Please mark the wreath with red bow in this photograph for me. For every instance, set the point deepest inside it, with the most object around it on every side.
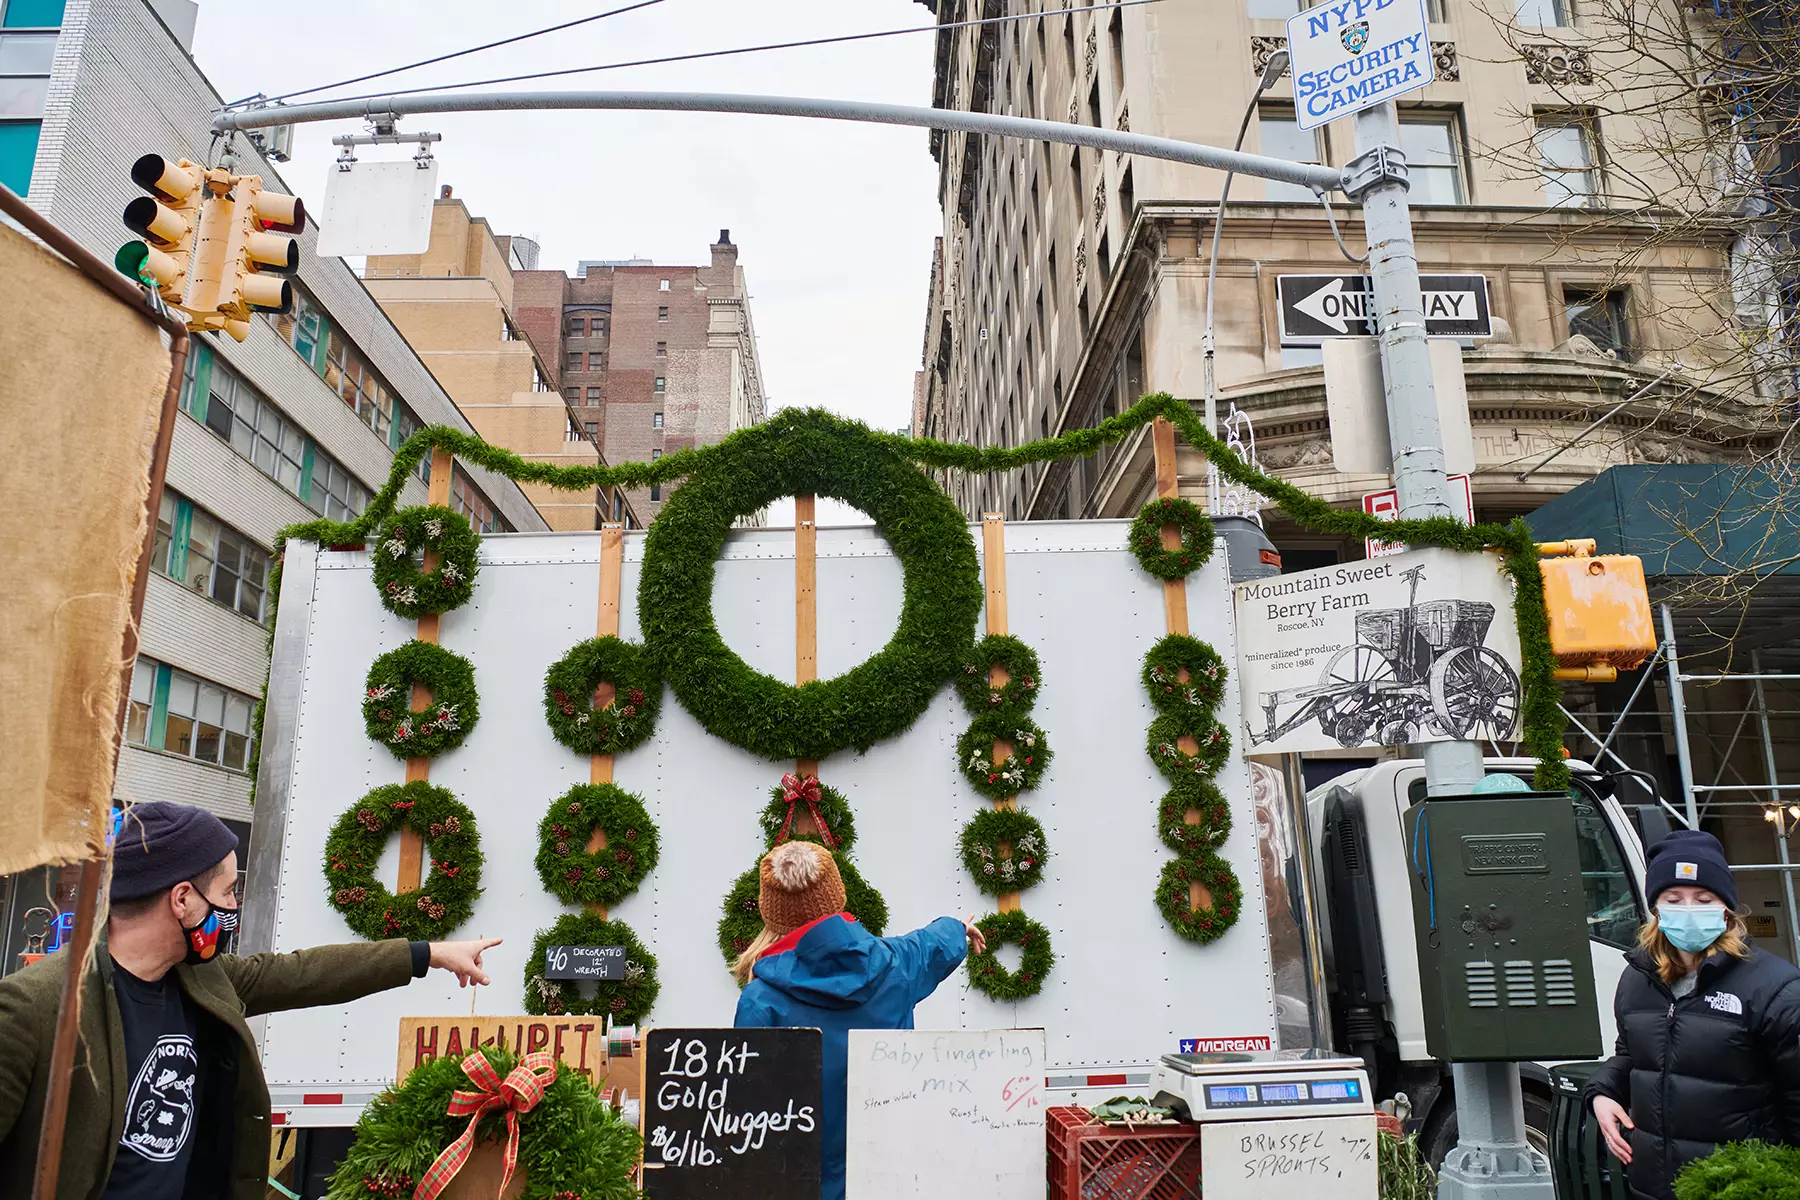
(446, 898)
(626, 722)
(576, 875)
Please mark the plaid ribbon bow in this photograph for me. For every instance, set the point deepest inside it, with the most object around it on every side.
(518, 1093)
(794, 789)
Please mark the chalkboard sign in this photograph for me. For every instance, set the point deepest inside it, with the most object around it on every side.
(604, 963)
(732, 1113)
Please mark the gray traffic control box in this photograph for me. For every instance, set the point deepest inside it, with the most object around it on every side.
(1501, 923)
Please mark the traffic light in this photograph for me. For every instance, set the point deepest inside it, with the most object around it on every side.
(166, 219)
(235, 247)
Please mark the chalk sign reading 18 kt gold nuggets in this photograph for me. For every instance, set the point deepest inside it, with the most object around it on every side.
(579, 1043)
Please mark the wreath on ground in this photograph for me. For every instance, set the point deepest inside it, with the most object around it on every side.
(405, 587)
(576, 875)
(446, 898)
(1206, 674)
(798, 453)
(569, 691)
(1013, 699)
(626, 1001)
(1196, 538)
(742, 920)
(572, 1145)
(987, 975)
(780, 814)
(1173, 898)
(1178, 764)
(1196, 795)
(387, 700)
(997, 873)
(1019, 772)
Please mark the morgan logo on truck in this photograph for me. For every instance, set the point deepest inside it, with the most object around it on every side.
(1223, 1045)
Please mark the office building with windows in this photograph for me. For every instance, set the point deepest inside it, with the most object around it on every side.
(298, 421)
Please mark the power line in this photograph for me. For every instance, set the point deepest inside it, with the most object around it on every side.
(676, 58)
(426, 62)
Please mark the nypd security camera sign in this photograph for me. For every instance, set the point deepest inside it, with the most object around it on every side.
(1352, 54)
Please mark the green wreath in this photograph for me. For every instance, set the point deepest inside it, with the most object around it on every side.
(405, 587)
(1145, 538)
(572, 1144)
(741, 919)
(1216, 876)
(987, 975)
(1023, 678)
(1176, 763)
(832, 807)
(997, 874)
(1200, 795)
(1166, 660)
(446, 898)
(575, 875)
(569, 690)
(626, 1001)
(387, 700)
(1019, 773)
(795, 453)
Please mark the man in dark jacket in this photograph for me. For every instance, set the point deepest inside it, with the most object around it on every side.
(1709, 1027)
(168, 1100)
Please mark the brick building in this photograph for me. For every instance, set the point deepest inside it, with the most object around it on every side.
(650, 358)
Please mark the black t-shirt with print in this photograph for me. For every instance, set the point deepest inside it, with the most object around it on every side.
(163, 1096)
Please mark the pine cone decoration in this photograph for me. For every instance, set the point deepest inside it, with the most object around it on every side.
(562, 849)
(368, 820)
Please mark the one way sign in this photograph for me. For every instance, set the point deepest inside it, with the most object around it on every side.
(1316, 307)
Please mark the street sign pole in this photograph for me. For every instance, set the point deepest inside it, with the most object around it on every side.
(1492, 1159)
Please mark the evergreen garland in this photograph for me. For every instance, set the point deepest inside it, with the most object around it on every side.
(405, 587)
(987, 975)
(569, 697)
(574, 874)
(1206, 671)
(1012, 699)
(572, 1146)
(387, 701)
(998, 873)
(446, 898)
(1145, 538)
(1193, 795)
(1177, 764)
(1020, 772)
(626, 1001)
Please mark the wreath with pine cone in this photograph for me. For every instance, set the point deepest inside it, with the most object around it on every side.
(442, 725)
(1199, 796)
(1177, 764)
(446, 897)
(576, 875)
(405, 587)
(1004, 850)
(626, 1001)
(1173, 896)
(1184, 674)
(1018, 772)
(624, 723)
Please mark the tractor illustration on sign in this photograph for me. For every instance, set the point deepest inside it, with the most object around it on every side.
(1412, 671)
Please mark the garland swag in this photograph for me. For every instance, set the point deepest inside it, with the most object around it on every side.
(986, 974)
(576, 875)
(626, 1001)
(569, 697)
(387, 700)
(446, 898)
(405, 587)
(572, 1145)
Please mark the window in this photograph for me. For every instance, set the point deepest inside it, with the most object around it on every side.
(1105, 259)
(655, 454)
(1600, 316)
(469, 500)
(618, 507)
(574, 360)
(662, 313)
(1567, 144)
(1434, 11)
(573, 395)
(596, 361)
(661, 386)
(1093, 105)
(508, 331)
(345, 369)
(656, 420)
(1613, 915)
(1282, 137)
(182, 714)
(195, 549)
(237, 412)
(335, 492)
(593, 395)
(1433, 157)
(662, 285)
(576, 326)
(593, 431)
(598, 327)
(1543, 12)
(1115, 37)
(571, 431)
(1273, 10)
(25, 60)
(662, 349)
(364, 391)
(302, 327)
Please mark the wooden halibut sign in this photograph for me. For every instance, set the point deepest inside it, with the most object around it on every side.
(579, 1043)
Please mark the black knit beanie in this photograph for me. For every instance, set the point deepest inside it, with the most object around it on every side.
(1689, 858)
(161, 844)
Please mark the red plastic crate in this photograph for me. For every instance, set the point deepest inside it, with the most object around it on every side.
(1106, 1162)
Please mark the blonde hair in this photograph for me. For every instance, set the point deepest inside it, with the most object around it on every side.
(746, 961)
(1652, 941)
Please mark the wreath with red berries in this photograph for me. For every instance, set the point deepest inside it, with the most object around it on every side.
(627, 1001)
(1174, 899)
(989, 976)
(387, 700)
(624, 723)
(1168, 659)
(352, 848)
(1196, 546)
(1019, 772)
(576, 875)
(1198, 796)
(1004, 850)
(778, 818)
(405, 587)
(1013, 699)
(1176, 763)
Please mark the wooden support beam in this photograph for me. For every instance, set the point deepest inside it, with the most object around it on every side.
(412, 846)
(993, 559)
(606, 624)
(806, 606)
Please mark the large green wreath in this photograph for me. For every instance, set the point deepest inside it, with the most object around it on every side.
(569, 697)
(626, 1001)
(405, 587)
(1198, 795)
(1165, 661)
(792, 454)
(1020, 772)
(446, 898)
(571, 1145)
(576, 875)
(387, 700)
(833, 808)
(1013, 699)
(987, 975)
(1216, 876)
(741, 919)
(997, 874)
(1197, 535)
(1178, 764)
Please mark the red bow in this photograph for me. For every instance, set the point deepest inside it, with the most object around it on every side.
(518, 1093)
(794, 789)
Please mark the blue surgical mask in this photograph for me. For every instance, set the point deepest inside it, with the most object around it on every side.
(1691, 927)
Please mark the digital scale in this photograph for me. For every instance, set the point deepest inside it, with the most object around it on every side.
(1237, 1087)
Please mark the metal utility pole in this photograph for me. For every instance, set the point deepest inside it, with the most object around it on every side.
(1492, 1159)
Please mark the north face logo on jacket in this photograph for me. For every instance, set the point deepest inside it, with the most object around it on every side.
(1726, 1002)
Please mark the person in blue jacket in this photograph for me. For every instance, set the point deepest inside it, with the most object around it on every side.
(814, 967)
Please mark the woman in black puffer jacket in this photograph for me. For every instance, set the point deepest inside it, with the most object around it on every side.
(1709, 1027)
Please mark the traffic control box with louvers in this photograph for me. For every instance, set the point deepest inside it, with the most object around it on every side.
(1504, 966)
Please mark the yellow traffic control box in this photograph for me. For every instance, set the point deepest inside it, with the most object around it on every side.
(1599, 610)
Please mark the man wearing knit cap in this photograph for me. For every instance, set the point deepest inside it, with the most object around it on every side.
(168, 1100)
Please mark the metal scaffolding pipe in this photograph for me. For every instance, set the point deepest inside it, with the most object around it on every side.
(1781, 846)
(1684, 755)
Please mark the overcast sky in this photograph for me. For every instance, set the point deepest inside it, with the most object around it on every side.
(834, 221)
